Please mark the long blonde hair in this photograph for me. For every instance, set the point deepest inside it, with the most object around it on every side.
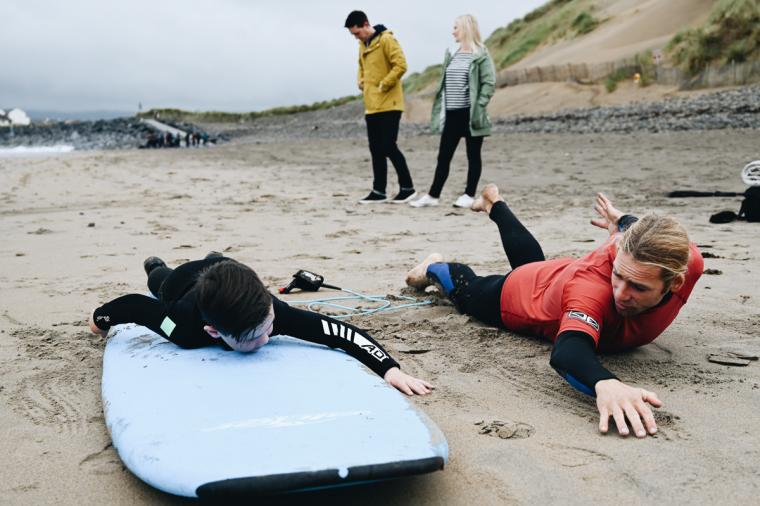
(659, 241)
(470, 31)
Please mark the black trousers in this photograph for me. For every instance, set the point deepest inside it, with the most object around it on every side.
(456, 126)
(480, 296)
(382, 132)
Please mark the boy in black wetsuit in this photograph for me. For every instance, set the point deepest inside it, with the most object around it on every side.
(220, 301)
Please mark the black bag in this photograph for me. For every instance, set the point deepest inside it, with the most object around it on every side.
(750, 209)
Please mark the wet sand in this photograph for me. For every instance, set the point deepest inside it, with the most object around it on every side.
(77, 227)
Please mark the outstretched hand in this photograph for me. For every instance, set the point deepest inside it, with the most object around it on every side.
(615, 398)
(609, 215)
(407, 384)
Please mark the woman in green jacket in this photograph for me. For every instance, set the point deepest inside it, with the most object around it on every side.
(467, 84)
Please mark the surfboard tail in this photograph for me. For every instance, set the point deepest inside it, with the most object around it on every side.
(238, 488)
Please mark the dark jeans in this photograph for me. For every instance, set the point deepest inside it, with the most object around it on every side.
(480, 296)
(456, 126)
(382, 131)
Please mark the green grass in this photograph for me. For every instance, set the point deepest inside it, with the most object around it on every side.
(612, 80)
(418, 81)
(731, 34)
(584, 23)
(644, 66)
(552, 21)
(241, 117)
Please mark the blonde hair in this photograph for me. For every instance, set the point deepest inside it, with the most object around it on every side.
(470, 31)
(659, 241)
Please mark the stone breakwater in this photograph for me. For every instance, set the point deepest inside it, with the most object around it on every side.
(737, 108)
(119, 133)
(727, 109)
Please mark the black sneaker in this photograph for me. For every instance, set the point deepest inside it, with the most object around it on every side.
(151, 263)
(404, 196)
(213, 254)
(373, 198)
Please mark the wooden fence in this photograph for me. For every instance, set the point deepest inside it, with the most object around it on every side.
(712, 76)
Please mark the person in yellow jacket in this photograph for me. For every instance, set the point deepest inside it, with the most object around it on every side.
(381, 65)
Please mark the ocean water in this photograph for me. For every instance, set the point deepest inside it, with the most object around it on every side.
(24, 151)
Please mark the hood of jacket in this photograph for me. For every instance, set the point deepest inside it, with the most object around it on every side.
(378, 30)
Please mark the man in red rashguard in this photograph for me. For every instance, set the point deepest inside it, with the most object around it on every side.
(622, 295)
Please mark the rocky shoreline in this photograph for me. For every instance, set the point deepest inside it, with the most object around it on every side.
(726, 109)
(120, 133)
(736, 108)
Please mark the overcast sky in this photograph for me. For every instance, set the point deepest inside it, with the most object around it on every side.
(234, 55)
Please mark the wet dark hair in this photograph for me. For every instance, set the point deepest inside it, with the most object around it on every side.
(357, 19)
(232, 298)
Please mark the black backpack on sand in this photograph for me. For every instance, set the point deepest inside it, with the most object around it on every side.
(750, 209)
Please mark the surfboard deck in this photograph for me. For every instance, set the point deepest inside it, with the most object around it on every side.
(293, 416)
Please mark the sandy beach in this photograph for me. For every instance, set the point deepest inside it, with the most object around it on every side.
(77, 227)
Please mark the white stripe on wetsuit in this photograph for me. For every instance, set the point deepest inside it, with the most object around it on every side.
(457, 81)
(339, 330)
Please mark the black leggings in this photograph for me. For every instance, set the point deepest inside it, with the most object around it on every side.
(456, 126)
(480, 296)
(382, 132)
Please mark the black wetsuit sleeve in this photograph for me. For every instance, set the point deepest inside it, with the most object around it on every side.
(150, 313)
(626, 221)
(574, 358)
(321, 329)
(133, 308)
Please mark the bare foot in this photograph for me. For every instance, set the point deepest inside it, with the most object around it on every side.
(417, 277)
(478, 205)
(488, 197)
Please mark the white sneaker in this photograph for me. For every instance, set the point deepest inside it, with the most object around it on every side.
(464, 201)
(424, 201)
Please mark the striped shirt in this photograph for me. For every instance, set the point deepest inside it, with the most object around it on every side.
(457, 81)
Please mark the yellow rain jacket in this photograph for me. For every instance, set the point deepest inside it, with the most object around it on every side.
(381, 65)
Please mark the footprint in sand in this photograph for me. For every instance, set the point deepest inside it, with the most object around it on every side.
(51, 396)
(669, 427)
(106, 461)
(342, 233)
(506, 429)
(26, 488)
(573, 456)
(50, 399)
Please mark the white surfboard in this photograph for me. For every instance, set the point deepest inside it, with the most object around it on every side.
(292, 416)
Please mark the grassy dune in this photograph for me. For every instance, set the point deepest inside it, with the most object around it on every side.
(241, 117)
(731, 34)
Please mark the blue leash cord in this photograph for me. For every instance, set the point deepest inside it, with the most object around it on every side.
(385, 304)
